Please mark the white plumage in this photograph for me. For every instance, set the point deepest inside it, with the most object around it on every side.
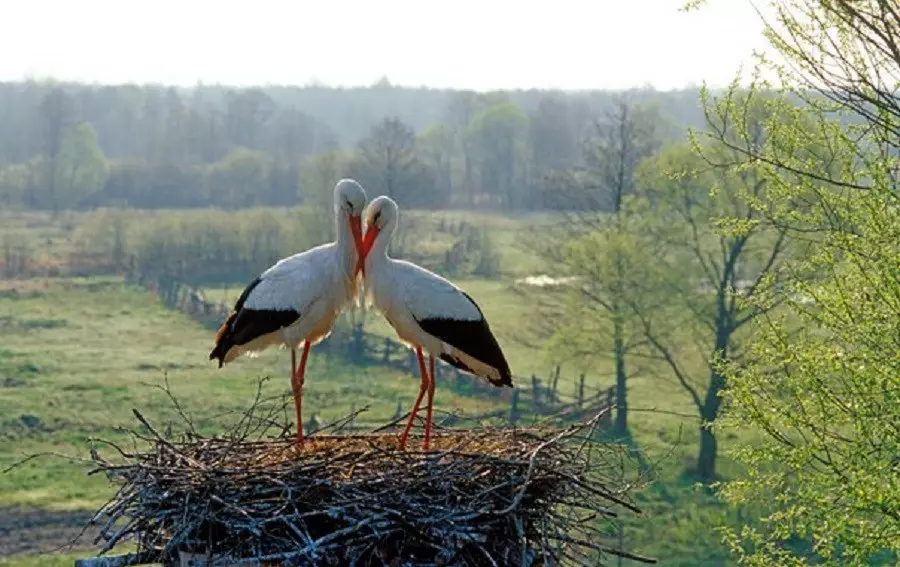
(427, 311)
(299, 298)
(405, 294)
(296, 281)
(315, 284)
(425, 294)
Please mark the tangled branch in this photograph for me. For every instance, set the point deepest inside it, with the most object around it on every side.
(486, 496)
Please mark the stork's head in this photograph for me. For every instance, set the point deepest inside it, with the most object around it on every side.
(350, 200)
(381, 216)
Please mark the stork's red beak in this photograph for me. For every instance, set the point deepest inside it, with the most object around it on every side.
(368, 241)
(356, 231)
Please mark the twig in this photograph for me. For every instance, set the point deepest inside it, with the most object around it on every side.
(481, 496)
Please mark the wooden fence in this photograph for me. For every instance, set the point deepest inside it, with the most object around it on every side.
(532, 396)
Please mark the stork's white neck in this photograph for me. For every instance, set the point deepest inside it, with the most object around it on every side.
(378, 255)
(345, 246)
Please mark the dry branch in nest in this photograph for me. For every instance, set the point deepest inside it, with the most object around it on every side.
(486, 496)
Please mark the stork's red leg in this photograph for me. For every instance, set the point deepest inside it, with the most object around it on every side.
(294, 374)
(431, 385)
(297, 385)
(415, 410)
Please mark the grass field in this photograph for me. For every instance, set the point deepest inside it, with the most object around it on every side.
(76, 355)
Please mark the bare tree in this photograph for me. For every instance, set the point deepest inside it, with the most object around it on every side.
(852, 74)
(318, 174)
(388, 154)
(497, 134)
(554, 135)
(594, 242)
(457, 116)
(436, 146)
(56, 116)
(247, 111)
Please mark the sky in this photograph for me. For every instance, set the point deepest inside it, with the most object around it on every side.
(491, 44)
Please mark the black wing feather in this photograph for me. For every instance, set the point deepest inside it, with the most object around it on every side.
(473, 337)
(244, 325)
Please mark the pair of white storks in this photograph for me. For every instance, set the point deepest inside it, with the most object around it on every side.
(299, 298)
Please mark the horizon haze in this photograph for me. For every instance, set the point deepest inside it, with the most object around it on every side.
(576, 45)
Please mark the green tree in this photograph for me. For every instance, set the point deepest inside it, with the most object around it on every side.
(458, 113)
(318, 175)
(55, 115)
(710, 266)
(436, 146)
(237, 180)
(616, 270)
(607, 251)
(14, 181)
(81, 166)
(822, 386)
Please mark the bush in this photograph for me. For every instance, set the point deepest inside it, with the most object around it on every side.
(201, 245)
(473, 253)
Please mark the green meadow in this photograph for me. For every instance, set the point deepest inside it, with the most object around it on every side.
(79, 353)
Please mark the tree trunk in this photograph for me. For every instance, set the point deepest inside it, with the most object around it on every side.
(52, 188)
(619, 349)
(469, 180)
(706, 459)
(621, 424)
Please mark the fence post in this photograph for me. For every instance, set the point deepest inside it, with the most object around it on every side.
(535, 390)
(610, 404)
(387, 351)
(313, 424)
(555, 375)
(581, 391)
(174, 292)
(514, 407)
(166, 287)
(162, 289)
(358, 354)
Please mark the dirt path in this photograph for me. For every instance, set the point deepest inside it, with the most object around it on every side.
(29, 531)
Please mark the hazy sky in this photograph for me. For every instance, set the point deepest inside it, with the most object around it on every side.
(467, 44)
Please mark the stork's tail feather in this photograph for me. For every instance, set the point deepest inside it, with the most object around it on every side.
(226, 327)
(223, 341)
(219, 352)
(499, 377)
(505, 380)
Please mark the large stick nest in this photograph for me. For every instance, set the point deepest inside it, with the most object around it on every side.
(487, 496)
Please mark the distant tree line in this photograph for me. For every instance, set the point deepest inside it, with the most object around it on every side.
(73, 146)
(207, 246)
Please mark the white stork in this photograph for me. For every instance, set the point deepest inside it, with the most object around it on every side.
(299, 298)
(427, 312)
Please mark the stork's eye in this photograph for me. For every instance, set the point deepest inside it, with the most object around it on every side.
(376, 217)
(349, 204)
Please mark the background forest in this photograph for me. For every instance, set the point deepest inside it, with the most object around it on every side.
(70, 146)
